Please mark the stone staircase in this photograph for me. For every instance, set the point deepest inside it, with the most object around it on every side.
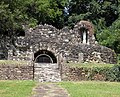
(46, 72)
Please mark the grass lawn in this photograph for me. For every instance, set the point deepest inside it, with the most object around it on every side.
(16, 88)
(76, 89)
(13, 62)
(92, 89)
(89, 65)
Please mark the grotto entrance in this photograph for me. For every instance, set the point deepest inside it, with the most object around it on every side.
(46, 68)
(44, 56)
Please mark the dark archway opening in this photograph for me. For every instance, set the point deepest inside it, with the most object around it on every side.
(44, 56)
(2, 56)
(20, 32)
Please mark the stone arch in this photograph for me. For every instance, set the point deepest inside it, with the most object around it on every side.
(46, 46)
(44, 56)
(88, 32)
(2, 56)
(88, 25)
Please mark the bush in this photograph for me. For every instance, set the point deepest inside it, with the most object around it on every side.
(113, 74)
(103, 72)
(118, 56)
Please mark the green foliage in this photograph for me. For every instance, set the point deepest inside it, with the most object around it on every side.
(11, 19)
(109, 72)
(105, 17)
(6, 18)
(46, 11)
(94, 10)
(110, 37)
(113, 74)
(16, 13)
(118, 58)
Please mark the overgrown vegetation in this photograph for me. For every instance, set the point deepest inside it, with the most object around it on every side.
(106, 72)
(16, 88)
(92, 89)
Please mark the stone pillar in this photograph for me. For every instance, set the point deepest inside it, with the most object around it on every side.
(93, 39)
(81, 57)
(10, 54)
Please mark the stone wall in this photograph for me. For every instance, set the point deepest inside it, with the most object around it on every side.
(40, 72)
(78, 74)
(16, 72)
(92, 53)
(65, 44)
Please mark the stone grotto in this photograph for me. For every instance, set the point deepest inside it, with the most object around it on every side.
(47, 48)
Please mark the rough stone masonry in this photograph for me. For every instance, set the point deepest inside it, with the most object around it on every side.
(46, 44)
(68, 45)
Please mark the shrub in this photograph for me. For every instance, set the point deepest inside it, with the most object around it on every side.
(113, 74)
(104, 72)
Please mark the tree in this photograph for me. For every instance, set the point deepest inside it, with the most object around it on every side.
(47, 11)
(93, 10)
(110, 37)
(11, 18)
(105, 16)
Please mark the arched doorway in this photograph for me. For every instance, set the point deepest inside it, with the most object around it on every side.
(44, 56)
(46, 68)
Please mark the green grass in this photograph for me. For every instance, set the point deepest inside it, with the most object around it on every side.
(92, 89)
(75, 89)
(13, 62)
(16, 88)
(89, 65)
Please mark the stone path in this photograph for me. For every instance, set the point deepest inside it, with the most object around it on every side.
(49, 90)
